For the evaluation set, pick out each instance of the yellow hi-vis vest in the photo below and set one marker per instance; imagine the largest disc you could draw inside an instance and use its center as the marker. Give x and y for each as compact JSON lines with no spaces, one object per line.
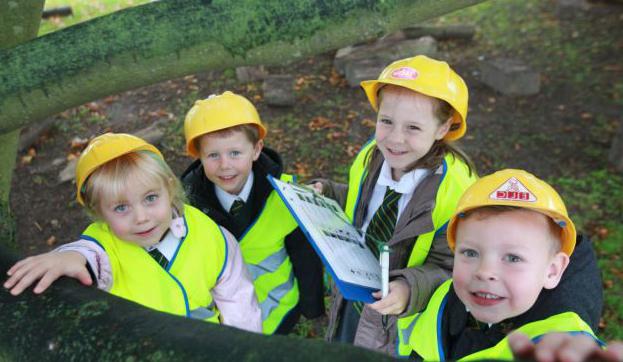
{"x":425,"y":338}
{"x":455,"y":179}
{"x":183,"y":288}
{"x":263,"y":250}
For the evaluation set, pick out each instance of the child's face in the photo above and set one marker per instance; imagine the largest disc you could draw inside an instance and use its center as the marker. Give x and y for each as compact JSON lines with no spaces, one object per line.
{"x":503,"y":261}
{"x":141,"y":215}
{"x":227,"y":159}
{"x":406,"y":127}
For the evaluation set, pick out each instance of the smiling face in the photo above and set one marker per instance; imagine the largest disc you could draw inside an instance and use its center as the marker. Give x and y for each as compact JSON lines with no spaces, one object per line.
{"x":140,"y":214}
{"x":407,"y":127}
{"x":227,"y":158}
{"x":503,"y":261}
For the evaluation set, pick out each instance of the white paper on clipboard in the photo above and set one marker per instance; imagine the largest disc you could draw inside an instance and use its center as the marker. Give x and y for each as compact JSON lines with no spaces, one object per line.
{"x":340,"y":244}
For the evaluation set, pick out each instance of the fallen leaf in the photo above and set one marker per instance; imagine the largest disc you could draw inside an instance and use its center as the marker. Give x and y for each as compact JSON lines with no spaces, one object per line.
{"x":78,"y":143}
{"x":320,"y":123}
{"x":602,"y":232}
{"x":93,"y":107}
{"x":367,"y":122}
{"x":51,"y":240}
{"x":26,"y":160}
{"x":335,"y":135}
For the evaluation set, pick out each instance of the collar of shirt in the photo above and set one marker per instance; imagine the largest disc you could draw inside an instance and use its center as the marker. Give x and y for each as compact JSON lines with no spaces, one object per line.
{"x":171,"y":239}
{"x":405,"y":186}
{"x":226,"y":199}
{"x":407,"y":182}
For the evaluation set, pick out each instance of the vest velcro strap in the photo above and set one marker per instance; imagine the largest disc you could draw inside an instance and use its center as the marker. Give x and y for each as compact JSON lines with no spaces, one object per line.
{"x":274,"y":296}
{"x":269,"y":264}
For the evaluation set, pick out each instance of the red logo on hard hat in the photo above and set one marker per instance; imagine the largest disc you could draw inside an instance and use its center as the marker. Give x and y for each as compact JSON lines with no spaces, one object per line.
{"x":405,"y":73}
{"x":512,"y":190}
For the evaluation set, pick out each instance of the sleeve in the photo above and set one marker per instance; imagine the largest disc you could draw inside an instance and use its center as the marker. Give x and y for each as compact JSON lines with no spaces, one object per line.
{"x":97,"y":261}
{"x":424,"y":279}
{"x":308,"y":272}
{"x":333,"y":190}
{"x":234,"y":294}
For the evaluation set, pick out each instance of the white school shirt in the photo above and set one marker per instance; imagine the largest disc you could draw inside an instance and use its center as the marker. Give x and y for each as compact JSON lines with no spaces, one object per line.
{"x":405,"y":186}
{"x":226,"y":199}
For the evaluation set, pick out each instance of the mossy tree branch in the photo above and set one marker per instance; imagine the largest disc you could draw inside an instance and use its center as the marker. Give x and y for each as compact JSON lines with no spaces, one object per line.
{"x":73,"y":323}
{"x":167,"y":39}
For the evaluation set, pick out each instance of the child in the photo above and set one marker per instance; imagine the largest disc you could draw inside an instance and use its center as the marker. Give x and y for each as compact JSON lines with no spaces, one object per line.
{"x":229,"y":183}
{"x":512,"y":239}
{"x":146,"y":245}
{"x":403,"y":187}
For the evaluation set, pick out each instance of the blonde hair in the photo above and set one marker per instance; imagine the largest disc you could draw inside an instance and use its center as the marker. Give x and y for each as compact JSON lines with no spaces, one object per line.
{"x":251,"y":131}
{"x":111,"y":178}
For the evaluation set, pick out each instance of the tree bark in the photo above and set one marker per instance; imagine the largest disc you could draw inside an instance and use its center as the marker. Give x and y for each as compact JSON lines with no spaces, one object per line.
{"x":20,"y":22}
{"x":70,"y":322}
{"x":167,"y":39}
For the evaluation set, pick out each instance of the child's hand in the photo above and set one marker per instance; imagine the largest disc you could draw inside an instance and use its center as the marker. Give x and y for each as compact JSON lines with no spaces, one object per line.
{"x":396,"y":300}
{"x":563,"y":347}
{"x":317,"y":187}
{"x":46,"y":268}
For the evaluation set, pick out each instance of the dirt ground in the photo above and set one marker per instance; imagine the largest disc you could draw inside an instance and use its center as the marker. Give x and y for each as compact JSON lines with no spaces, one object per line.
{"x":564,"y":131}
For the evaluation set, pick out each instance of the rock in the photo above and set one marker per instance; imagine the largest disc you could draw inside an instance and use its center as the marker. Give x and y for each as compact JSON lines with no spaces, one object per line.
{"x":57,"y":162}
{"x":568,"y":9}
{"x":30,"y":134}
{"x":510,"y":76}
{"x":152,"y":134}
{"x":279,"y":90}
{"x":384,"y":51}
{"x":251,"y":74}
{"x":363,"y":69}
{"x":464,"y":32}
{"x":68,"y":173}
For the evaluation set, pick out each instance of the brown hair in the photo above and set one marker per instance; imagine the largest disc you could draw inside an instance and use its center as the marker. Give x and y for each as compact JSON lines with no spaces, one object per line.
{"x":250,"y":131}
{"x":111,"y":178}
{"x":484,"y":212}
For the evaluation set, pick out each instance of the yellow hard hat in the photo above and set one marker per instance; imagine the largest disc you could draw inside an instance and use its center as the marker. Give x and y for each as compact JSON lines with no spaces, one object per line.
{"x":431,"y":77}
{"x":104,"y":148}
{"x":219,"y":112}
{"x":520,"y":189}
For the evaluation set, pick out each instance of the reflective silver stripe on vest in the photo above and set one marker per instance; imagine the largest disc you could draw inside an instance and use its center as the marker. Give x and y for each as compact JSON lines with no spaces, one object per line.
{"x":268,"y":265}
{"x":406,"y":333}
{"x":203,"y":313}
{"x":274,"y":296}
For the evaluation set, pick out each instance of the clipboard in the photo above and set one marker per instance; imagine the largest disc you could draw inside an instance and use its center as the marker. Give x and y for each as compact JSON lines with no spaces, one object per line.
{"x":341,"y":247}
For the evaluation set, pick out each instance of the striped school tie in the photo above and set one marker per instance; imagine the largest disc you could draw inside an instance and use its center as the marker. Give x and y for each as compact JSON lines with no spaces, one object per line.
{"x":383,"y":222}
{"x":381,"y":228}
{"x":159,"y":257}
{"x":236,"y":207}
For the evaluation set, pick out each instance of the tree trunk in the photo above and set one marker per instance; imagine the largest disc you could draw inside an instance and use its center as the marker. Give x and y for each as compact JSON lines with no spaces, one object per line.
{"x":74,"y":323}
{"x":167,"y":39}
{"x":20,"y":22}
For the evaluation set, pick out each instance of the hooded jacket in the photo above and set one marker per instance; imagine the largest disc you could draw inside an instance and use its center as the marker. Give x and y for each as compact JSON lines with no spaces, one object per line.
{"x":306,"y":264}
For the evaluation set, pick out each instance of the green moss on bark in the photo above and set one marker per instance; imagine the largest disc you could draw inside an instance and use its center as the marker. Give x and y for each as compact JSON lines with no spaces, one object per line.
{"x":167,"y":39}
